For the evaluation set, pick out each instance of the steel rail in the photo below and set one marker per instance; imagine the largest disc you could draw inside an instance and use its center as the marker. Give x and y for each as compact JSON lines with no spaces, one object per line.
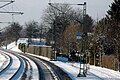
{"x":8,"y":66}
{"x":57,"y":72}
{"x":46,"y":69}
{"x":20,"y":70}
{"x":28,"y":67}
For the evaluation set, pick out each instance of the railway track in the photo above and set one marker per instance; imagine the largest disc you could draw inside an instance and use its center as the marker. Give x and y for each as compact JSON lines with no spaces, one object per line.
{"x":31,"y":67}
{"x":19,"y":68}
{"x":35,"y":68}
{"x":11,"y":69}
{"x":49,"y":71}
{"x":5,"y":63}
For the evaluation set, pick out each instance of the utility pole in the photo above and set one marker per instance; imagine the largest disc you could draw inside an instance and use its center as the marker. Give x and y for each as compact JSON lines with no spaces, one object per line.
{"x":54,"y":38}
{"x":41,"y":29}
{"x":84,"y":34}
{"x":12,"y":12}
{"x":84,"y":42}
{"x":8,"y":2}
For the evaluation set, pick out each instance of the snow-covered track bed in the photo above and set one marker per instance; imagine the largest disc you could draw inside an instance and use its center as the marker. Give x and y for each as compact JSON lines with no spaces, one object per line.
{"x":5,"y":61}
{"x":31,"y":70}
{"x":45,"y":71}
{"x":49,"y":71}
{"x":60,"y":73}
{"x":28,"y":69}
{"x":12,"y":68}
{"x":20,"y":71}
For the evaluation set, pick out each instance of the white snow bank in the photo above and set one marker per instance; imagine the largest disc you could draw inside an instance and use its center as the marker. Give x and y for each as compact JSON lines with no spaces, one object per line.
{"x":12,"y":69}
{"x":4,"y":61}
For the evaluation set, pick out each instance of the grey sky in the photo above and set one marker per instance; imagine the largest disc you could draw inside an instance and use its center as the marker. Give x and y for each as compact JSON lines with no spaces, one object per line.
{"x":33,"y":9}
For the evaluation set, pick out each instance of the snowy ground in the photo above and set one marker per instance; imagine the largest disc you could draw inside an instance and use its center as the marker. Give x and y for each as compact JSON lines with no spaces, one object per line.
{"x":4,"y":61}
{"x":12,"y":69}
{"x":35,"y":75}
{"x":94,"y":73}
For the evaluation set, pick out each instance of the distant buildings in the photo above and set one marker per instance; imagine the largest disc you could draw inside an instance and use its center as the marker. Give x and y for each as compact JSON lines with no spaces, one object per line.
{"x":32,"y":41}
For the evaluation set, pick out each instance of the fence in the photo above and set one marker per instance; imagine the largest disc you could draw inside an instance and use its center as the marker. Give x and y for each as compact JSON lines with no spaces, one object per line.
{"x":45,"y":51}
{"x":107,"y":61}
{"x":110,"y":62}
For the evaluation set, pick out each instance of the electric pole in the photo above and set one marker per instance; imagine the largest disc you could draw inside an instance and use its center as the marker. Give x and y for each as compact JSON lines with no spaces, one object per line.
{"x":84,"y":34}
{"x":6,"y":3}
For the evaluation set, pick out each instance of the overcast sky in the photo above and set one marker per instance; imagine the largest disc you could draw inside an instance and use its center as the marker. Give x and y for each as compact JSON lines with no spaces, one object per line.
{"x":33,"y":9}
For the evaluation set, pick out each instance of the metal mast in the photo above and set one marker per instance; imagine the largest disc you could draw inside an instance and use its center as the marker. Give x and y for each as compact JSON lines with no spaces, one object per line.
{"x":6,"y":3}
{"x":84,"y":33}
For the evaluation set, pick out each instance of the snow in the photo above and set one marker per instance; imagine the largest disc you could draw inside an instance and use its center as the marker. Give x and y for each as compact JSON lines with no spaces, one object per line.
{"x":35,"y":75}
{"x":94,"y":73}
{"x":72,"y":69}
{"x":11,"y":70}
{"x":23,"y":40}
{"x":34,"y":41}
{"x":35,"y":72}
{"x":105,"y":73}
{"x":20,"y":70}
{"x":4,"y":61}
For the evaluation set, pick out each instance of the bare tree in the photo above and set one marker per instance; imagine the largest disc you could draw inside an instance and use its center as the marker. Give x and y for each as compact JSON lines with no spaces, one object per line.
{"x":32,"y":29}
{"x":59,"y":18}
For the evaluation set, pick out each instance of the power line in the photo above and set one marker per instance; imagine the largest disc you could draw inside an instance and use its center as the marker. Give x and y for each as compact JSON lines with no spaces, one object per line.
{"x":12,"y":12}
{"x":52,"y":5}
{"x":6,"y":0}
{"x":6,"y":22}
{"x":64,"y":4}
{"x":7,"y":4}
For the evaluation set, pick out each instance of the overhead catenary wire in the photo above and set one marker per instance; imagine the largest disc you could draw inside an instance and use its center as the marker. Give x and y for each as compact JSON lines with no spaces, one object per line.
{"x":7,"y":4}
{"x":6,"y":0}
{"x":12,"y":12}
{"x":4,"y":4}
{"x":52,"y":5}
{"x":9,"y":12}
